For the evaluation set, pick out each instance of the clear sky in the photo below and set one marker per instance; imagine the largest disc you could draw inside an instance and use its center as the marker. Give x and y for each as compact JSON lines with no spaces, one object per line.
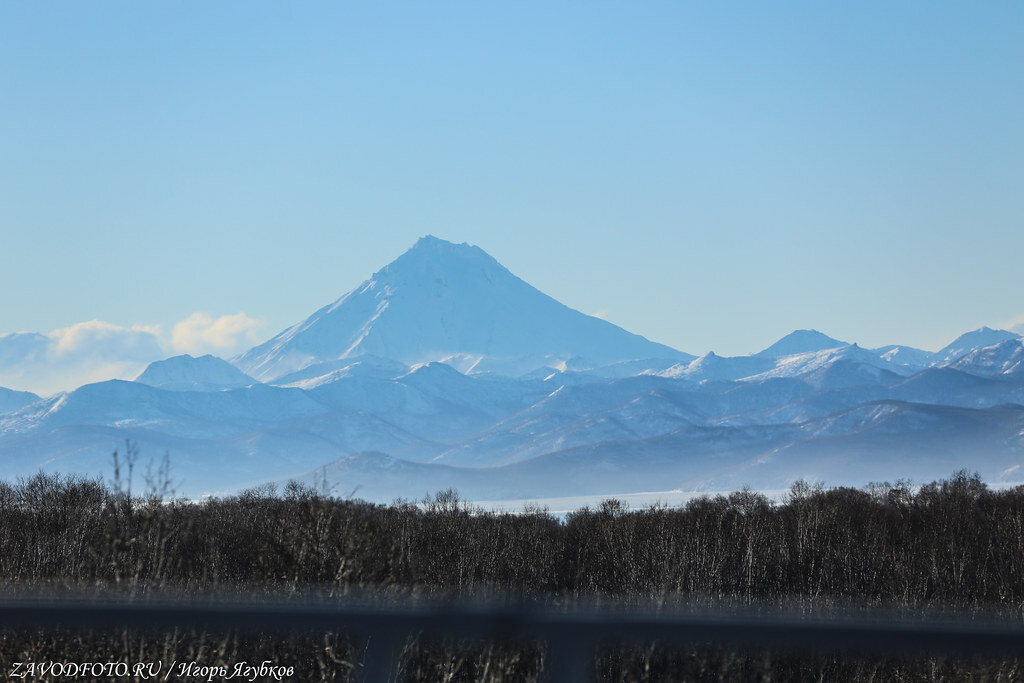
{"x":709,"y":175}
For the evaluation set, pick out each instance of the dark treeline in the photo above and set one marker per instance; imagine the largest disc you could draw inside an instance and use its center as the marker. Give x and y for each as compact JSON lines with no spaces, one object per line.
{"x":954,"y":544}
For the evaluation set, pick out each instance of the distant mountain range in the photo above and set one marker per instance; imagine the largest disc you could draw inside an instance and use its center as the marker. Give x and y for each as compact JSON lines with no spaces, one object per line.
{"x":445,"y":370}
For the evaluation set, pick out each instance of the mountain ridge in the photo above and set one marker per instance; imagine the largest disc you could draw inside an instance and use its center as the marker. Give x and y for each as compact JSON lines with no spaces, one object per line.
{"x":449,"y":370}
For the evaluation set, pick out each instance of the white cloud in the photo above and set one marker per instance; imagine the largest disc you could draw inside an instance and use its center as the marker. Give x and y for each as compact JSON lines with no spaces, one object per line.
{"x":226,"y":335}
{"x":96,"y":351}
{"x":98,"y":339}
{"x":69,"y":357}
{"x":602,"y":314}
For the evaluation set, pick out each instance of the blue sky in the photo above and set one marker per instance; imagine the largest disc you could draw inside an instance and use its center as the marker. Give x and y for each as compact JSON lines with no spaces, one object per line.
{"x":708,"y":175}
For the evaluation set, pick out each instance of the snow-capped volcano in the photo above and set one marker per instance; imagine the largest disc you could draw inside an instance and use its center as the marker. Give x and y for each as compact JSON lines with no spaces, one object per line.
{"x":441,"y":300}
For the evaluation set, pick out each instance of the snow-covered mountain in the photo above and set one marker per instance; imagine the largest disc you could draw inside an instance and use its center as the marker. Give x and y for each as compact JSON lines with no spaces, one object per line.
{"x":712,"y":367}
{"x":906,"y":356}
{"x":11,"y":400}
{"x":499,"y":437}
{"x":870,"y":363}
{"x":861,"y":365}
{"x":1004,"y":359}
{"x":328,"y":371}
{"x":444,"y":369}
{"x":800,"y":341}
{"x":188,"y":373}
{"x":971,"y":341}
{"x":442,"y":301}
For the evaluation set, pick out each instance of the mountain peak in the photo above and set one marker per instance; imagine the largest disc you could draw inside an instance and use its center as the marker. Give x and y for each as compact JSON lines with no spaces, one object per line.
{"x":432,"y":242}
{"x":969,"y":341}
{"x":441,"y":299}
{"x":800,"y":341}
{"x":433,"y":261}
{"x":428,"y":245}
{"x":193,"y":373}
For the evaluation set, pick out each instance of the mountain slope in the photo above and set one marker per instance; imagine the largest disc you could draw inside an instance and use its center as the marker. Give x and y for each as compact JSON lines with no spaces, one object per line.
{"x":869,"y":362}
{"x":713,"y":367}
{"x":1003,"y":359}
{"x":11,"y":400}
{"x":440,"y":300}
{"x":907,"y":356}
